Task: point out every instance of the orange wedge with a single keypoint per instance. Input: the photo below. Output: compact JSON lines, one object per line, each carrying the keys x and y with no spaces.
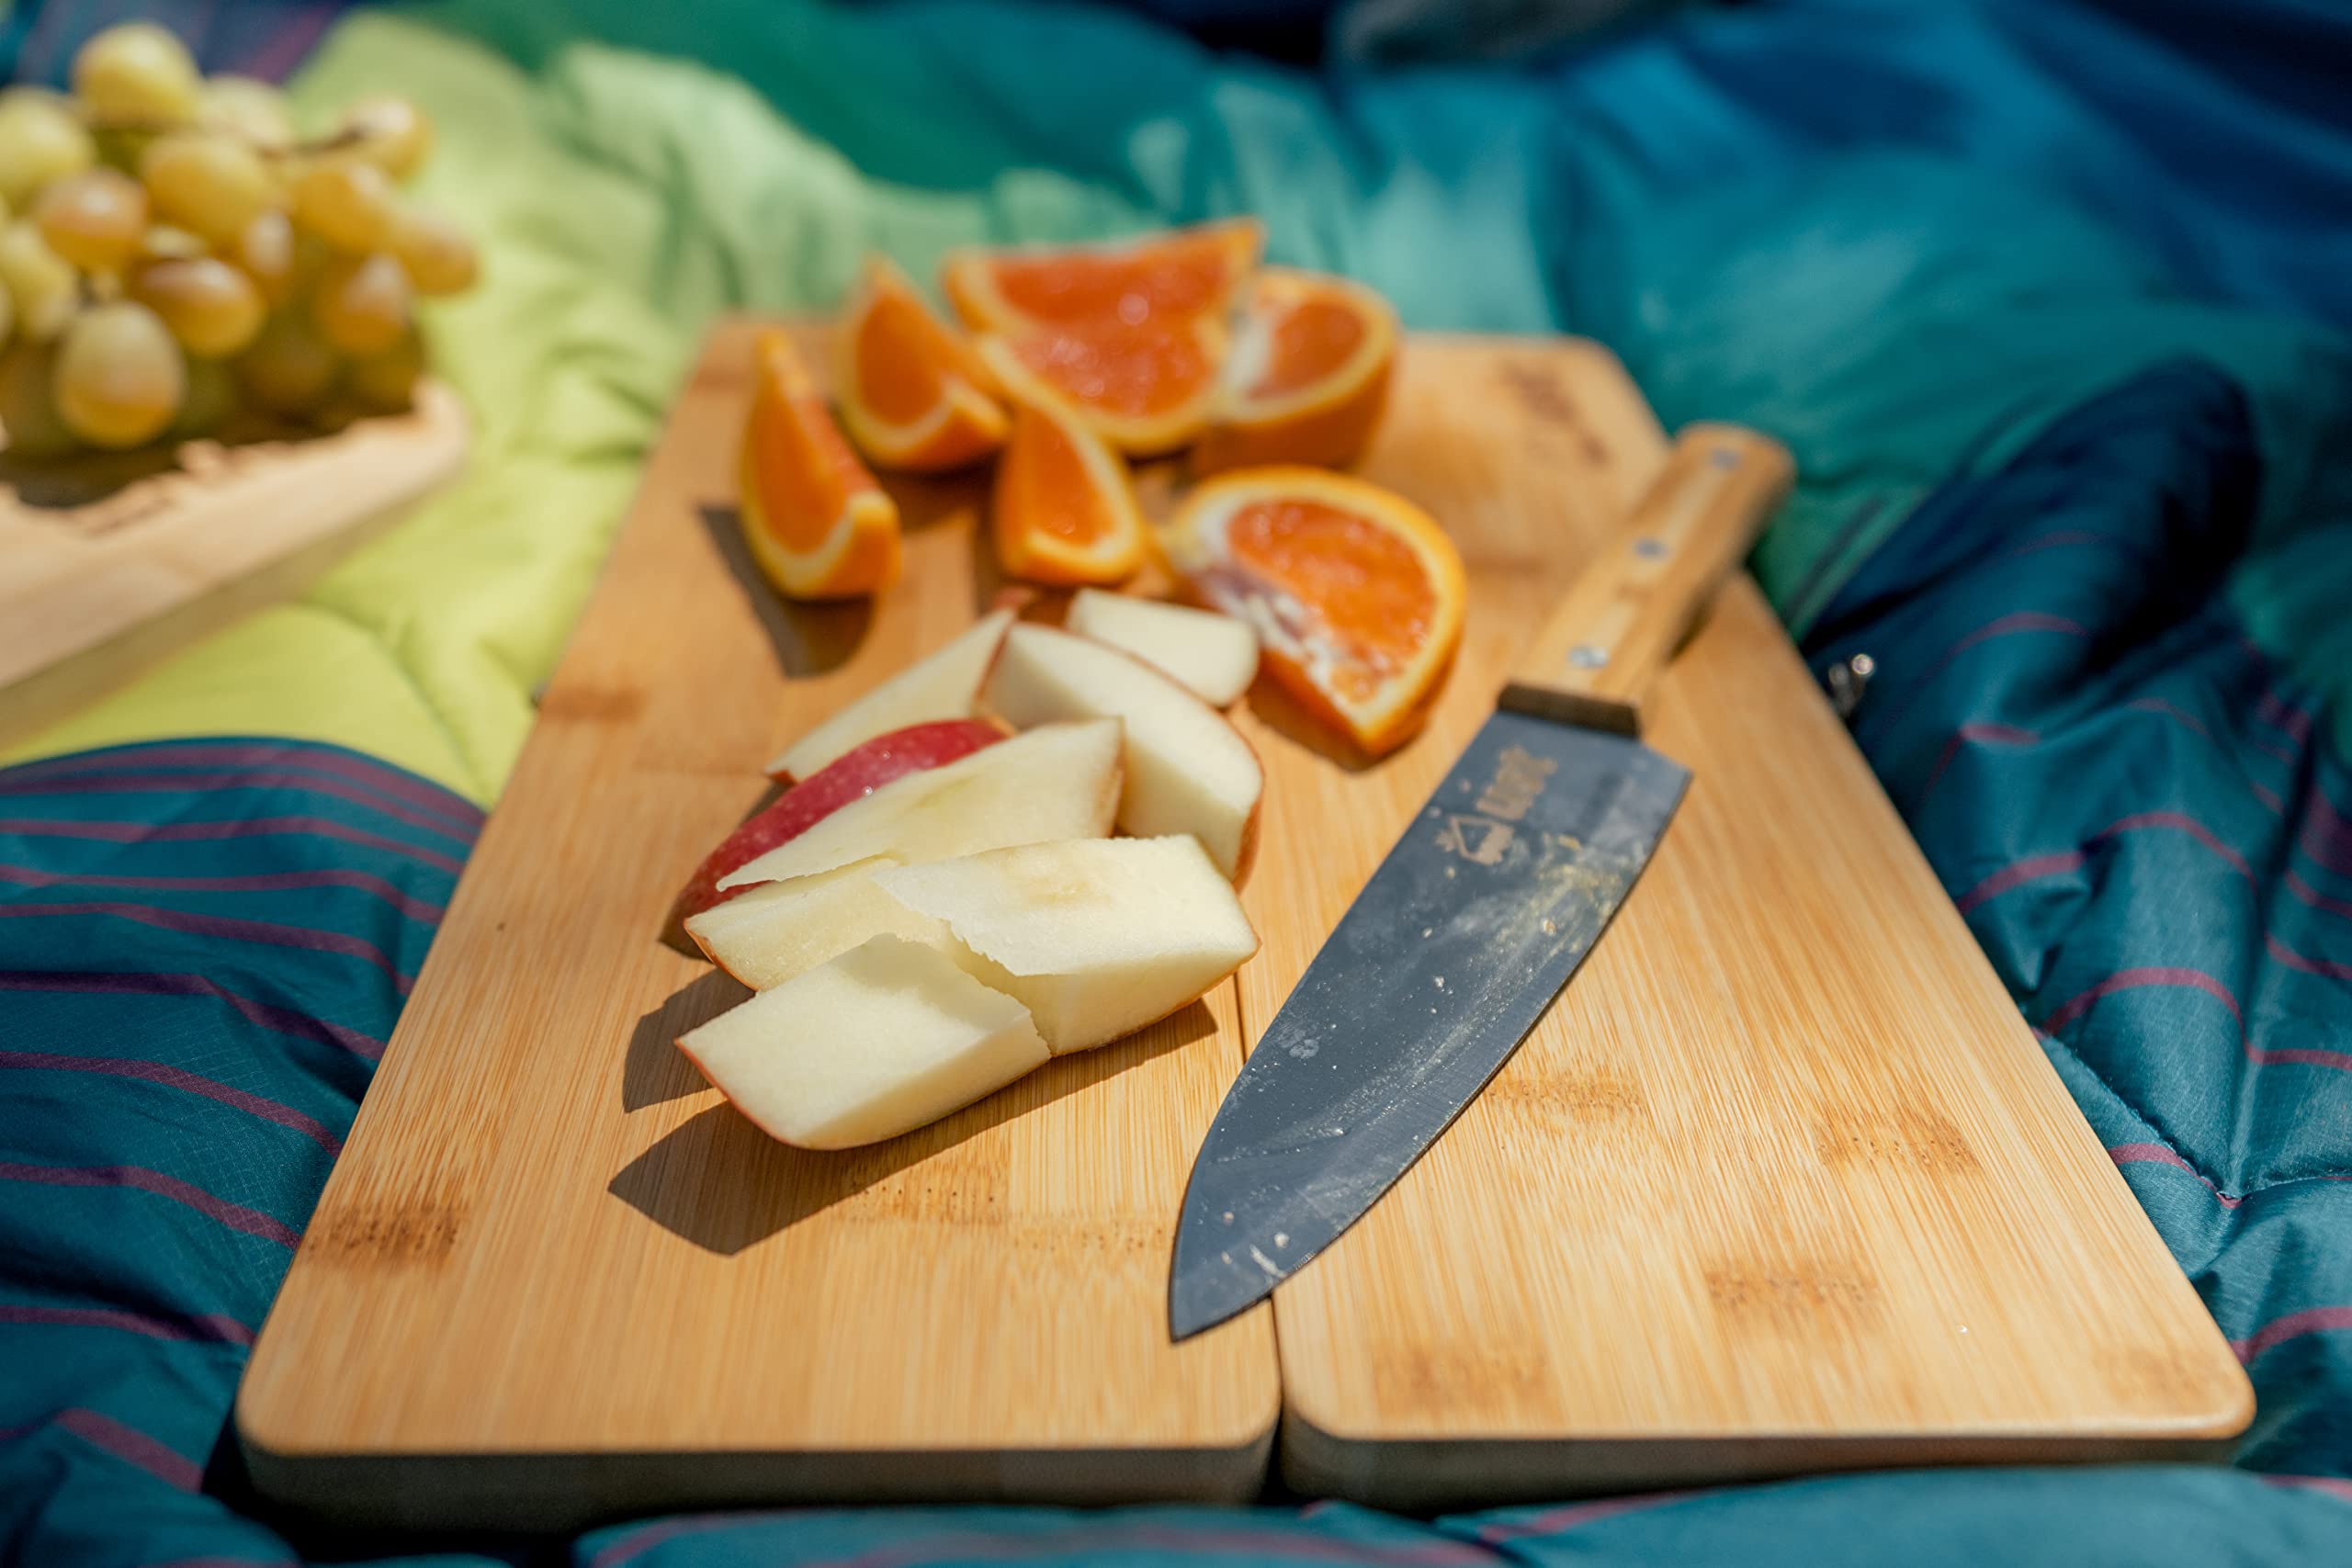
{"x":1356,"y":593}
{"x":1144,"y":389}
{"x":1307,"y":375}
{"x":812,"y":516}
{"x":1064,"y":511}
{"x":1157,"y":279}
{"x":913,"y":394}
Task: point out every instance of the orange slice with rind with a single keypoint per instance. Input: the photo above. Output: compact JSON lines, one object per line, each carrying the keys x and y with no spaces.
{"x":1165,"y":278}
{"x":813,"y":518}
{"x":1065,"y":511}
{"x":913,"y":395}
{"x":1306,"y":377}
{"x":1355,"y":593}
{"x":1146,"y":390}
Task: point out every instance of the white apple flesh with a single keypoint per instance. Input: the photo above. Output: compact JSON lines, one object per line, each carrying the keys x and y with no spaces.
{"x":1215,"y":655}
{"x":1188,"y":771}
{"x":883,"y":1039}
{"x":1058,"y":780}
{"x":946,"y":684}
{"x":1097,"y":937}
{"x":779,"y":930}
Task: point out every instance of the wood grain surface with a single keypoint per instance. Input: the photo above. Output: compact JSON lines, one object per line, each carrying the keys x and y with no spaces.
{"x":110,"y":563}
{"x":1729,"y":1211}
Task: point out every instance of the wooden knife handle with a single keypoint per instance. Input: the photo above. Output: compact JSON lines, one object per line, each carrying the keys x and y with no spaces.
{"x":1630,"y":610}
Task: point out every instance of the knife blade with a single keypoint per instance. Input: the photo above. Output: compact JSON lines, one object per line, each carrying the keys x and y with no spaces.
{"x":1483,"y":911}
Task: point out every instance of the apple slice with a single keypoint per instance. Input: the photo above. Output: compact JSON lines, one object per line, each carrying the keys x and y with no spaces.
{"x":943,"y":685}
{"x":886,"y":1038}
{"x":768,"y":934}
{"x":1097,"y":937}
{"x":851,"y":776}
{"x":1215,"y":655}
{"x":1187,"y":770}
{"x":1060,"y":781}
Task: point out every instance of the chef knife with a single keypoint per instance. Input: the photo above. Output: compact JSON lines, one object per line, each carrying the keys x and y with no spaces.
{"x":1485,"y":907}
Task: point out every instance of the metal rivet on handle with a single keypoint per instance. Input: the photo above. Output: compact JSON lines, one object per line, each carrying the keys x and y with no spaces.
{"x":1585,"y":656}
{"x":1650,"y":548}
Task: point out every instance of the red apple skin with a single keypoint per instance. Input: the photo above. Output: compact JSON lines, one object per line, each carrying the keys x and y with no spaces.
{"x":854,"y":774}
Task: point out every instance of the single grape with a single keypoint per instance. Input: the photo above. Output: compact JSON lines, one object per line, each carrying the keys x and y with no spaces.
{"x":211,"y":399}
{"x":438,"y":256}
{"x":288,"y":369}
{"x":137,"y":72}
{"x":209,"y":183}
{"x":93,"y":220}
{"x":164,"y":243}
{"x":254,"y":111}
{"x":346,"y":202}
{"x":361,"y":303}
{"x":41,"y":283}
{"x":390,"y":132}
{"x":27,"y":412}
{"x":386,"y":382}
{"x":119,"y":377}
{"x":211,"y":308}
{"x":41,"y":139}
{"x":264,"y":250}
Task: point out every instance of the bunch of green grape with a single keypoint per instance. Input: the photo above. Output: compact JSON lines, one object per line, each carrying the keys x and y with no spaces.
{"x":173,"y":254}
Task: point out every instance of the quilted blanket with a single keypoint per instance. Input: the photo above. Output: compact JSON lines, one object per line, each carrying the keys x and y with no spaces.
{"x":2050,"y":300}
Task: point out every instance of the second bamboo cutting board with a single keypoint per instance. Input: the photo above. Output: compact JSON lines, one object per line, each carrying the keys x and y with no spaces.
{"x":1782,"y":1183}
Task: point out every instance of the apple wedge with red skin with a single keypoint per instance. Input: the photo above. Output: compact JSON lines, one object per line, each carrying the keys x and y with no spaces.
{"x":852,"y":775}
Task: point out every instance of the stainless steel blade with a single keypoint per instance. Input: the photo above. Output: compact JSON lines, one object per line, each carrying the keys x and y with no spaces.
{"x":1440,"y":966}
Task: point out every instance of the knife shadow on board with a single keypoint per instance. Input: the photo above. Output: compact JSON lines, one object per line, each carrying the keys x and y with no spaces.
{"x":719,"y":1182}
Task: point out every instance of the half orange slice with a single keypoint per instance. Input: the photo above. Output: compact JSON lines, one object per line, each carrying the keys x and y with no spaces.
{"x":812,"y":516}
{"x":1064,"y":510}
{"x":1356,"y":593}
{"x":1144,"y":389}
{"x":1156,"y":279}
{"x":913,"y":394}
{"x":1307,"y":375}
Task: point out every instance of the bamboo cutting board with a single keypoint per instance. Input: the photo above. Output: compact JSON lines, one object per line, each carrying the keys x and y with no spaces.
{"x":1729,"y":1212}
{"x":111,"y":562}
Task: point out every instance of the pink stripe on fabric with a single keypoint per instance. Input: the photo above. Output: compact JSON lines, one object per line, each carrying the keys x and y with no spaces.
{"x":251,"y":828}
{"x":155,"y":782}
{"x":2157,"y":1153}
{"x":226,"y":928}
{"x":1975,"y":734}
{"x":418,"y":910}
{"x":2332,"y":1485}
{"x":2298,"y":1057}
{"x":179,"y":1078}
{"x":2158,"y":705}
{"x":2018,"y":621}
{"x":2281,"y":715}
{"x":203,"y":1328}
{"x":2178,"y":822}
{"x":2134,"y":979}
{"x":2325,"y":968}
{"x":2017,"y":873}
{"x":380,"y":776}
{"x":236,"y":1216}
{"x":1256,"y":1546}
{"x":1553,"y":1520}
{"x":268,"y":1015}
{"x":133,"y":1446}
{"x":2292,"y":1326}
{"x":2327,"y":836}
{"x":291,"y":43}
{"x":2314,"y":898}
